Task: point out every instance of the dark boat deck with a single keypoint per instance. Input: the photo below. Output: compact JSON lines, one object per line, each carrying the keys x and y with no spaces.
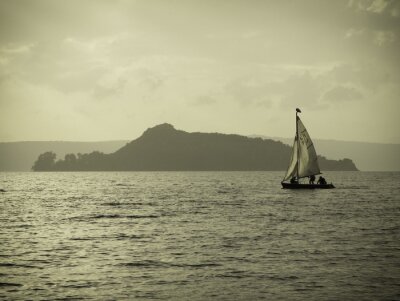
{"x":306,"y":186}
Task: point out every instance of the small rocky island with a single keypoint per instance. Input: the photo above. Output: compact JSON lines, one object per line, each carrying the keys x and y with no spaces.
{"x":163,"y":148}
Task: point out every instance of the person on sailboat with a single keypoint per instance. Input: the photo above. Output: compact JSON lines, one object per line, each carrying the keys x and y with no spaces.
{"x":293,"y":180}
{"x":311,"y":179}
{"x":321,"y":180}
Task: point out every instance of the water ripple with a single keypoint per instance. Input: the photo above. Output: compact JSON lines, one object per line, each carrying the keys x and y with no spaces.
{"x":198,"y":236}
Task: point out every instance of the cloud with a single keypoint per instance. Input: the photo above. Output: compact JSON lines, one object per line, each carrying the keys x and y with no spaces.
{"x":302,"y":90}
{"x":354,"y":32}
{"x":366,"y":76}
{"x":247,"y":91}
{"x":377,"y":6}
{"x":97,"y":58}
{"x":342,"y":94}
{"x":15,"y":49}
{"x":72,"y":65}
{"x":395,"y":12}
{"x":376,"y":22}
{"x":316,"y":88}
{"x":297,"y":89}
{"x":373,"y":6}
{"x":204,"y":100}
{"x":52,"y":64}
{"x":109,"y":90}
{"x":382,"y":38}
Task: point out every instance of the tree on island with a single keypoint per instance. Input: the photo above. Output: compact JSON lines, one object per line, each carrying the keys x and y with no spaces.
{"x":45,"y":162}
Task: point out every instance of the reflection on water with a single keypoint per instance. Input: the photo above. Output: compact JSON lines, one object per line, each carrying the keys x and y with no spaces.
{"x":198,"y":236}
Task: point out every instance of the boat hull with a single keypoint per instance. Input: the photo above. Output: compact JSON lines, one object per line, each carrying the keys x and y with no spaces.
{"x":306,"y":186}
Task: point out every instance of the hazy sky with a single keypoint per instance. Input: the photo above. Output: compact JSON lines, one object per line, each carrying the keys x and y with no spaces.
{"x":106,"y":70}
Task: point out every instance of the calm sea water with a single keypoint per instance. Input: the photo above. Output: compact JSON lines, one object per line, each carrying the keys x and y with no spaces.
{"x":198,"y":236}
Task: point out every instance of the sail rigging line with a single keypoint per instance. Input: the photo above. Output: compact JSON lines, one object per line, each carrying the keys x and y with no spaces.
{"x":298,"y":141}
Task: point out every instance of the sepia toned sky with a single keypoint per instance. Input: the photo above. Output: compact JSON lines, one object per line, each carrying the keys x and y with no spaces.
{"x":105,"y":70}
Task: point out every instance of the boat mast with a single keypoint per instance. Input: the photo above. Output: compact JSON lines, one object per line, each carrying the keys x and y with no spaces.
{"x":298,"y":143}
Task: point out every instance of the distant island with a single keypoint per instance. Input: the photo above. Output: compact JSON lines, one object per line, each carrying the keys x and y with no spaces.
{"x":163,"y":148}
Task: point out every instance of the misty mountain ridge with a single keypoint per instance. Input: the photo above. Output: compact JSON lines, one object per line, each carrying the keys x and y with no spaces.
{"x":368,"y":156}
{"x":164,"y":148}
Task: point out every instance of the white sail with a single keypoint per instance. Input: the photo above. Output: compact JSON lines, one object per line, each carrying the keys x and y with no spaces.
{"x":308,"y":161}
{"x":292,"y":170}
{"x":304,"y":161}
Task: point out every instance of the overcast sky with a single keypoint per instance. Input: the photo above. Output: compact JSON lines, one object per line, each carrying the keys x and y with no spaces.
{"x":107,"y":70}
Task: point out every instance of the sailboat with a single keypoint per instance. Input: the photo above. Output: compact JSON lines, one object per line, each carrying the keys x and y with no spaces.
{"x":303,"y":162}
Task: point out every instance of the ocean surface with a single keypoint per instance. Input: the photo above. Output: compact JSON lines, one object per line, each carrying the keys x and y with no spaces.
{"x":198,"y":236}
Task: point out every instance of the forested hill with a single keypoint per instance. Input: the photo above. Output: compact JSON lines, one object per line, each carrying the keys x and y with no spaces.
{"x":163,"y":148}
